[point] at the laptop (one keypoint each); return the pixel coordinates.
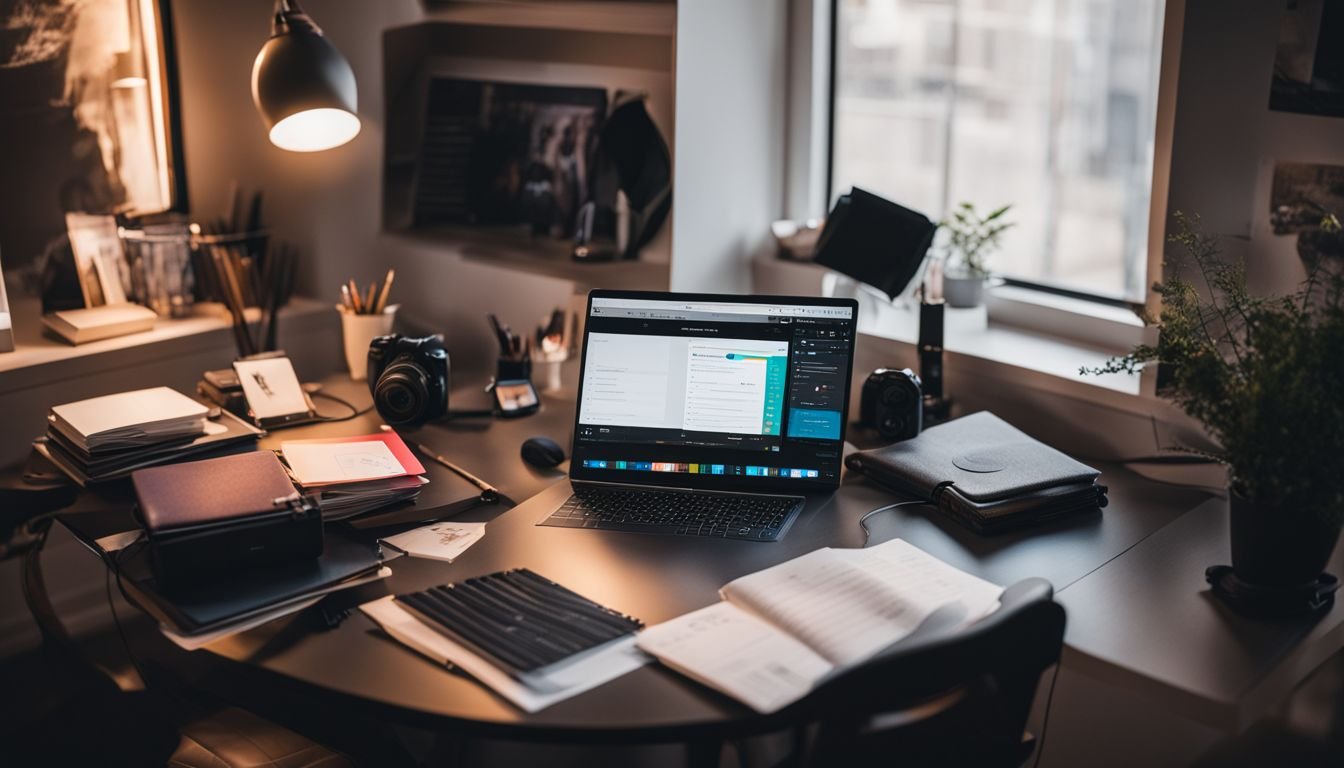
(707, 415)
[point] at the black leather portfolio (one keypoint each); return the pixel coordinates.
(227, 514)
(985, 473)
(247, 592)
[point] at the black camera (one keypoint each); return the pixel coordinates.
(408, 378)
(892, 403)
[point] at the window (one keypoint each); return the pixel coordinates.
(1049, 105)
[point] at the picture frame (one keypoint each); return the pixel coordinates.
(90, 119)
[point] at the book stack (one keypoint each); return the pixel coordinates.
(105, 438)
(355, 475)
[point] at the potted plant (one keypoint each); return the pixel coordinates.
(1265, 375)
(970, 239)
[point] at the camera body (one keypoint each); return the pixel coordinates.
(408, 378)
(892, 403)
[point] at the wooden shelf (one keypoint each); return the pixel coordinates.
(548, 257)
(39, 358)
(626, 16)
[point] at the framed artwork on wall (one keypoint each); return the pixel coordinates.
(89, 121)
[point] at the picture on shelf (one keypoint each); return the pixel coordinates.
(1304, 199)
(1309, 62)
(502, 154)
(99, 261)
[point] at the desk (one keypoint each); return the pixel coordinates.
(654, 578)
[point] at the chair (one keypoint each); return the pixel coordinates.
(130, 724)
(939, 697)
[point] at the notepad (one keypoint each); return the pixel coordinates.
(128, 420)
(333, 461)
(438, 541)
(781, 631)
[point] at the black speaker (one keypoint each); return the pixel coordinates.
(893, 404)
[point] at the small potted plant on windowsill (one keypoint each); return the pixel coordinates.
(1266, 378)
(971, 238)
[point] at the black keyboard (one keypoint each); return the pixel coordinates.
(678, 513)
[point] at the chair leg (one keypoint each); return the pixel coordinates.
(703, 753)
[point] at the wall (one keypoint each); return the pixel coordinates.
(730, 137)
(1226, 139)
(329, 203)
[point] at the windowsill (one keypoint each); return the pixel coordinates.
(968, 335)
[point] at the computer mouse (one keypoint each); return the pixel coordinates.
(542, 452)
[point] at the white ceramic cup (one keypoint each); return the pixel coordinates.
(358, 331)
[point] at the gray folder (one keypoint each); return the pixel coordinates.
(985, 473)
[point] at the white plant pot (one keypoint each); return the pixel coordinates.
(358, 331)
(964, 292)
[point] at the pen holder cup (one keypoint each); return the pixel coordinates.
(509, 369)
(359, 331)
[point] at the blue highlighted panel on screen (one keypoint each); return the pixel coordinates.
(806, 422)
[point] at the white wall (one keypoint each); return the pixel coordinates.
(728, 183)
(1227, 140)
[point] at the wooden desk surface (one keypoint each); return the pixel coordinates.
(1148, 622)
(651, 577)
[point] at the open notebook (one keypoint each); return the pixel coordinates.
(781, 631)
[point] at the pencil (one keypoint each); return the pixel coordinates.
(368, 301)
(355, 302)
(387, 287)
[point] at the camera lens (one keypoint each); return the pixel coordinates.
(402, 394)
(896, 394)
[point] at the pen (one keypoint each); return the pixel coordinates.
(488, 492)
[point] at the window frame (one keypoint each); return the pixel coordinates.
(820, 93)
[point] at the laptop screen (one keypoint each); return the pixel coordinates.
(714, 391)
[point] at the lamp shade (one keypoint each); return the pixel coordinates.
(302, 86)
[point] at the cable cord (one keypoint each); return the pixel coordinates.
(354, 412)
(863, 521)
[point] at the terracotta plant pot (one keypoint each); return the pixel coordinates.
(964, 291)
(1275, 547)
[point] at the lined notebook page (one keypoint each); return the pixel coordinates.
(847, 604)
(734, 652)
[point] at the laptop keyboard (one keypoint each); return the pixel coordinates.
(678, 513)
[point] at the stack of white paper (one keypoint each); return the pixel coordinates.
(354, 475)
(128, 420)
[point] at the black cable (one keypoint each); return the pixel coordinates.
(1045, 721)
(863, 521)
(116, 619)
(354, 412)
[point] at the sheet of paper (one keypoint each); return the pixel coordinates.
(438, 541)
(847, 604)
(589, 670)
(271, 387)
(118, 541)
(319, 463)
(731, 650)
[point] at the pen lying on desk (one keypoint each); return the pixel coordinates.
(488, 492)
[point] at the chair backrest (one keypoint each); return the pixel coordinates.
(943, 697)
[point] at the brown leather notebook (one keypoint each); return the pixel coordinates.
(211, 491)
